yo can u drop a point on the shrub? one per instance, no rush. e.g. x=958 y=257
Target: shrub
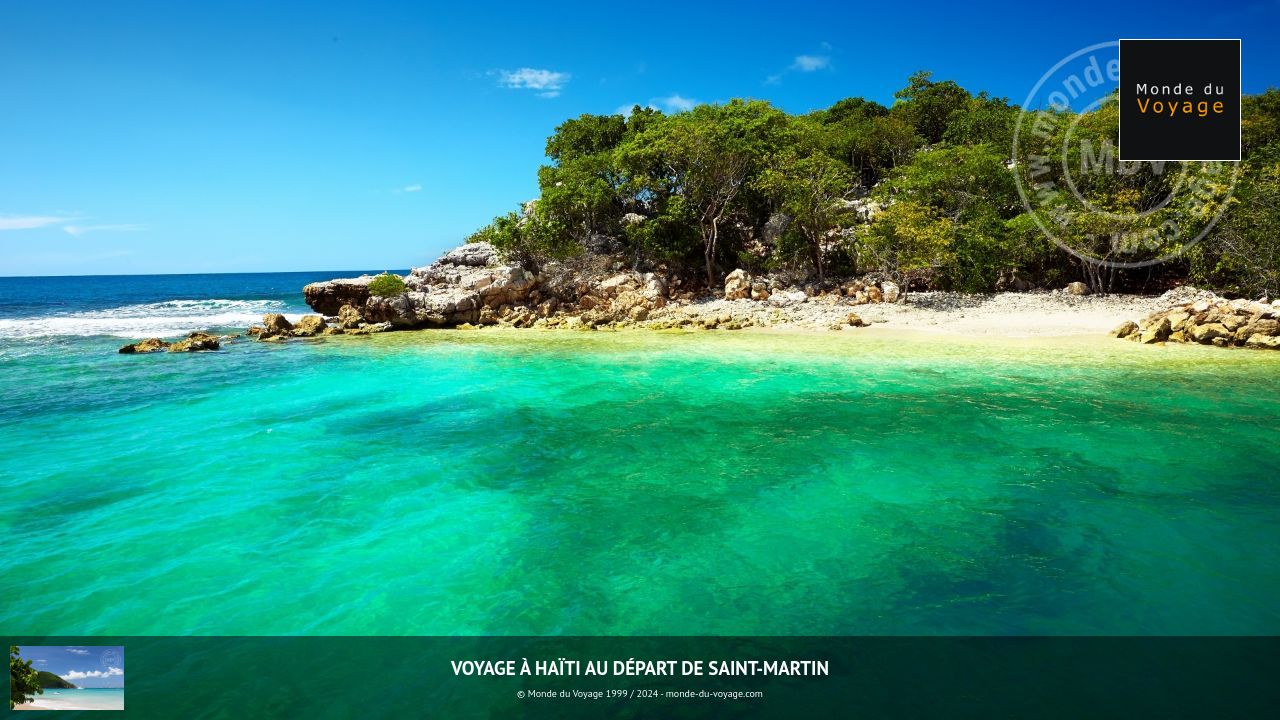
x=386 y=285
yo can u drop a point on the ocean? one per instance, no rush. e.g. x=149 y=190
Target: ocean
x=80 y=699
x=577 y=483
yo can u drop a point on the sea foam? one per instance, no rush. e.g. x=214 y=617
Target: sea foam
x=160 y=319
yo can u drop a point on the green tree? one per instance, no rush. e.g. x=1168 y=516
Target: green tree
x=1260 y=116
x=1243 y=252
x=584 y=136
x=23 y=679
x=906 y=238
x=810 y=188
x=706 y=157
x=985 y=120
x=928 y=105
x=530 y=238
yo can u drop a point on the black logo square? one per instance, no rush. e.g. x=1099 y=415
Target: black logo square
x=1180 y=100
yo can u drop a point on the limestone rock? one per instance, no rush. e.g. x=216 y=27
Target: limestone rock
x=370 y=329
x=477 y=254
x=1207 y=333
x=437 y=306
x=890 y=290
x=145 y=346
x=784 y=298
x=276 y=324
x=1156 y=332
x=328 y=297
x=1077 y=288
x=195 y=342
x=1263 y=342
x=737 y=285
x=875 y=294
x=1125 y=329
x=310 y=325
x=349 y=317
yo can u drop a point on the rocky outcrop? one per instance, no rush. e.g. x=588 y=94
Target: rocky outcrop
x=328 y=297
x=475 y=287
x=149 y=345
x=436 y=306
x=193 y=342
x=1077 y=288
x=1215 y=321
x=448 y=292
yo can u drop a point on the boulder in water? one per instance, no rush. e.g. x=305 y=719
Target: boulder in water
x=275 y=324
x=145 y=346
x=310 y=325
x=196 y=342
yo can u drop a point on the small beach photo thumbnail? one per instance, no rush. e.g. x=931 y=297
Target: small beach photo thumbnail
x=66 y=677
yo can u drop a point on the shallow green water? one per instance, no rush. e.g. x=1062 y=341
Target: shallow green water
x=593 y=483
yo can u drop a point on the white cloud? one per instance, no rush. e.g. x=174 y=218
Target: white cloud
x=804 y=64
x=549 y=83
x=676 y=103
x=119 y=227
x=28 y=222
x=811 y=63
x=83 y=674
x=416 y=187
x=41 y=661
x=77 y=651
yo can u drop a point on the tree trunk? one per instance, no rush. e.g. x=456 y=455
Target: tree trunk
x=709 y=253
x=815 y=250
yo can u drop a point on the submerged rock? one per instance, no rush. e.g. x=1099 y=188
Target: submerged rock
x=196 y=342
x=145 y=346
x=370 y=329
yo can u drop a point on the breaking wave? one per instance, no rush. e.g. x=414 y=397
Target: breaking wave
x=161 y=319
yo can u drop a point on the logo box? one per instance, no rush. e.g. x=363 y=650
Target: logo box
x=1180 y=100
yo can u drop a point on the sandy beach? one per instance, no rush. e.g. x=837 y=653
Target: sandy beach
x=1008 y=315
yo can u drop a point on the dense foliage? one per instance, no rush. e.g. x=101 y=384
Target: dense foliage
x=24 y=680
x=386 y=285
x=47 y=679
x=924 y=191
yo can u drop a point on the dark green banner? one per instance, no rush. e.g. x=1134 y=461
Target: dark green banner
x=495 y=677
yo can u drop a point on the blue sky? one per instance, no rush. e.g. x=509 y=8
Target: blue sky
x=97 y=666
x=147 y=137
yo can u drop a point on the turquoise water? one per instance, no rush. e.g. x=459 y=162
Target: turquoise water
x=81 y=699
x=639 y=483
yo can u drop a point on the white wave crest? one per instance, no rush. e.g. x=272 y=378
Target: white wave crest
x=163 y=319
